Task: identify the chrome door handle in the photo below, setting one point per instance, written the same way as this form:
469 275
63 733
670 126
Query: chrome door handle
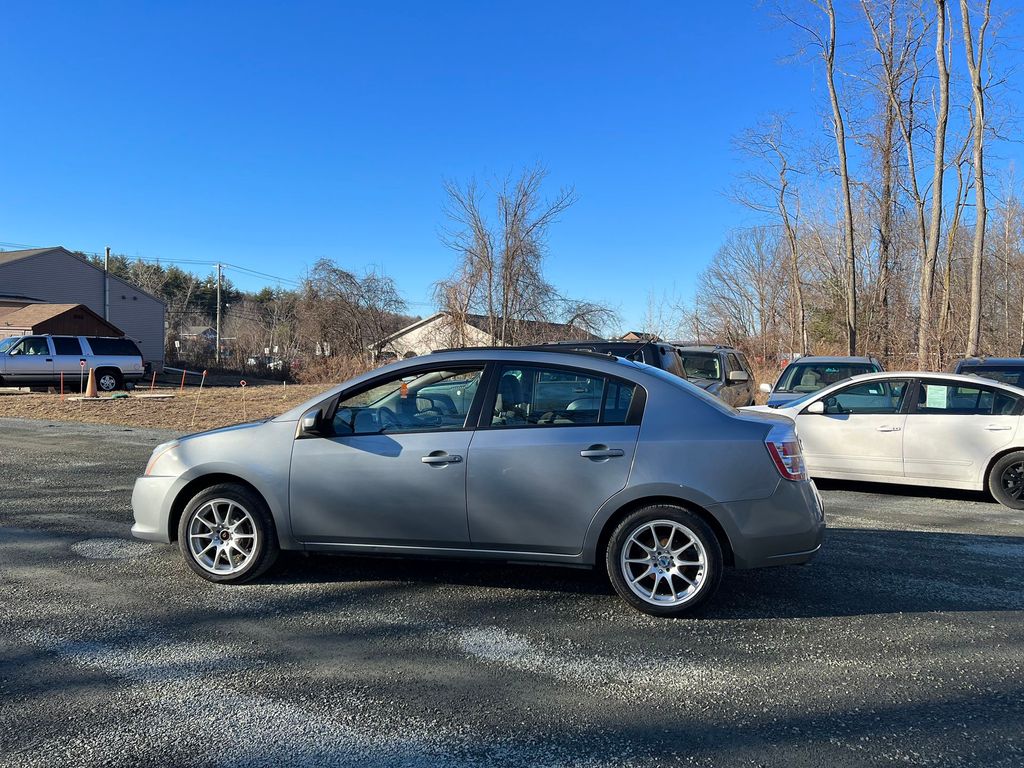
997 428
601 453
443 458
890 429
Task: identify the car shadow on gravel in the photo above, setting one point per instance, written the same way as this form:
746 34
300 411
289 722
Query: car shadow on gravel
320 568
910 491
859 572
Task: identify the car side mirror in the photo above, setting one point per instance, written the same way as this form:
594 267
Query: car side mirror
817 406
311 424
766 389
739 376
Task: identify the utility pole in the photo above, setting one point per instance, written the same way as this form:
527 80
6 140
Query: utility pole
218 313
106 285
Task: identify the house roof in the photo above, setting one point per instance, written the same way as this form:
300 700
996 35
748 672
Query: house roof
35 314
8 257
482 323
411 327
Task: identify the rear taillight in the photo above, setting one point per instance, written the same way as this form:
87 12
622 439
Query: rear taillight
784 448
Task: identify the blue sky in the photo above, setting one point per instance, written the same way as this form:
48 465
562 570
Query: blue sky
272 134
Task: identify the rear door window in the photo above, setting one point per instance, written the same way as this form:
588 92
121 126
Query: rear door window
66 345
530 396
955 399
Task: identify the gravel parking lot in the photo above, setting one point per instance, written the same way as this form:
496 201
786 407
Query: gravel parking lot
902 643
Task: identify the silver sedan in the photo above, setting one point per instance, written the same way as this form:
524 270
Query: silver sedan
579 459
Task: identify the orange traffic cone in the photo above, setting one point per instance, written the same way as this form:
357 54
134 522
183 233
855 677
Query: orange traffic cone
90 388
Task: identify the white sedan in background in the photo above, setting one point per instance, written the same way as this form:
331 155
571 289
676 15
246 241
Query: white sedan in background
932 429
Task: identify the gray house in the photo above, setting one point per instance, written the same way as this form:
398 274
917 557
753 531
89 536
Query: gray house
57 276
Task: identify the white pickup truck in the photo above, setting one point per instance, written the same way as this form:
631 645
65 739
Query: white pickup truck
32 361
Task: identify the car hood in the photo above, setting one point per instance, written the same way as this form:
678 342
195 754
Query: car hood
776 399
232 428
697 381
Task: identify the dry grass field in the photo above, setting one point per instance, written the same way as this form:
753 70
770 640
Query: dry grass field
218 406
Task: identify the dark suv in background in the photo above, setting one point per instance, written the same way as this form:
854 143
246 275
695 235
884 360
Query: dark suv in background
655 353
1009 370
721 371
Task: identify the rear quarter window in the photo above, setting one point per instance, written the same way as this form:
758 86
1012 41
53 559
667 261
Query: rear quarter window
114 347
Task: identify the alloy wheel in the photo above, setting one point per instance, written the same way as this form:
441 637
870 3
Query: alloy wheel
222 536
1013 480
664 563
107 382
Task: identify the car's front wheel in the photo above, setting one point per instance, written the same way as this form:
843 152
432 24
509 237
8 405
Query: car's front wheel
226 534
1006 480
664 560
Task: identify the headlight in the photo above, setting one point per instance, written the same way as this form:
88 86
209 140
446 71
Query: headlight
158 453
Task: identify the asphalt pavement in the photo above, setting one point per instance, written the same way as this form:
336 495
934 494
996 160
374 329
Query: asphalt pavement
902 643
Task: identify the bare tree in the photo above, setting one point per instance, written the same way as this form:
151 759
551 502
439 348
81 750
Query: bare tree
739 298
938 172
826 44
828 51
767 145
350 314
975 53
499 274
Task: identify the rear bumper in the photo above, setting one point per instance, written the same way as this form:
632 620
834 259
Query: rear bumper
787 528
151 505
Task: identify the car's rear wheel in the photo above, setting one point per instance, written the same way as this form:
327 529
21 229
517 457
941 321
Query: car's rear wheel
226 534
108 380
1006 480
664 560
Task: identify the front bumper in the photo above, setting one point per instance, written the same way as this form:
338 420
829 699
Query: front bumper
151 504
787 528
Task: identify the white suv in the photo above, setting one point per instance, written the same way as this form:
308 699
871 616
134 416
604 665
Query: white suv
27 361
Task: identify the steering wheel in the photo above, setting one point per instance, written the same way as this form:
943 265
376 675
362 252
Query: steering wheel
387 419
832 405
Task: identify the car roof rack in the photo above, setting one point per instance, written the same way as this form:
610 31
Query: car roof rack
553 347
705 346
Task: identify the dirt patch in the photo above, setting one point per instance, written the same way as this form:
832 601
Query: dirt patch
218 407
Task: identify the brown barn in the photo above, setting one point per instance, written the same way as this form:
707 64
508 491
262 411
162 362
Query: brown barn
54 319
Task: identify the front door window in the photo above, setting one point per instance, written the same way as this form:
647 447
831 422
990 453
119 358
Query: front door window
431 401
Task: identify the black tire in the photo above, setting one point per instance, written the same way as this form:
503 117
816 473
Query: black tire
706 577
109 380
1006 480
259 557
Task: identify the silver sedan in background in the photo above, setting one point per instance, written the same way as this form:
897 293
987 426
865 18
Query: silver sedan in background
579 459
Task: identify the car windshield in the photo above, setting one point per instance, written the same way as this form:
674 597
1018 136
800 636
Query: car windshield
701 365
6 344
1008 374
805 378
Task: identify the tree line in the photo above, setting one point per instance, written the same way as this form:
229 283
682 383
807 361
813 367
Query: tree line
335 321
892 236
